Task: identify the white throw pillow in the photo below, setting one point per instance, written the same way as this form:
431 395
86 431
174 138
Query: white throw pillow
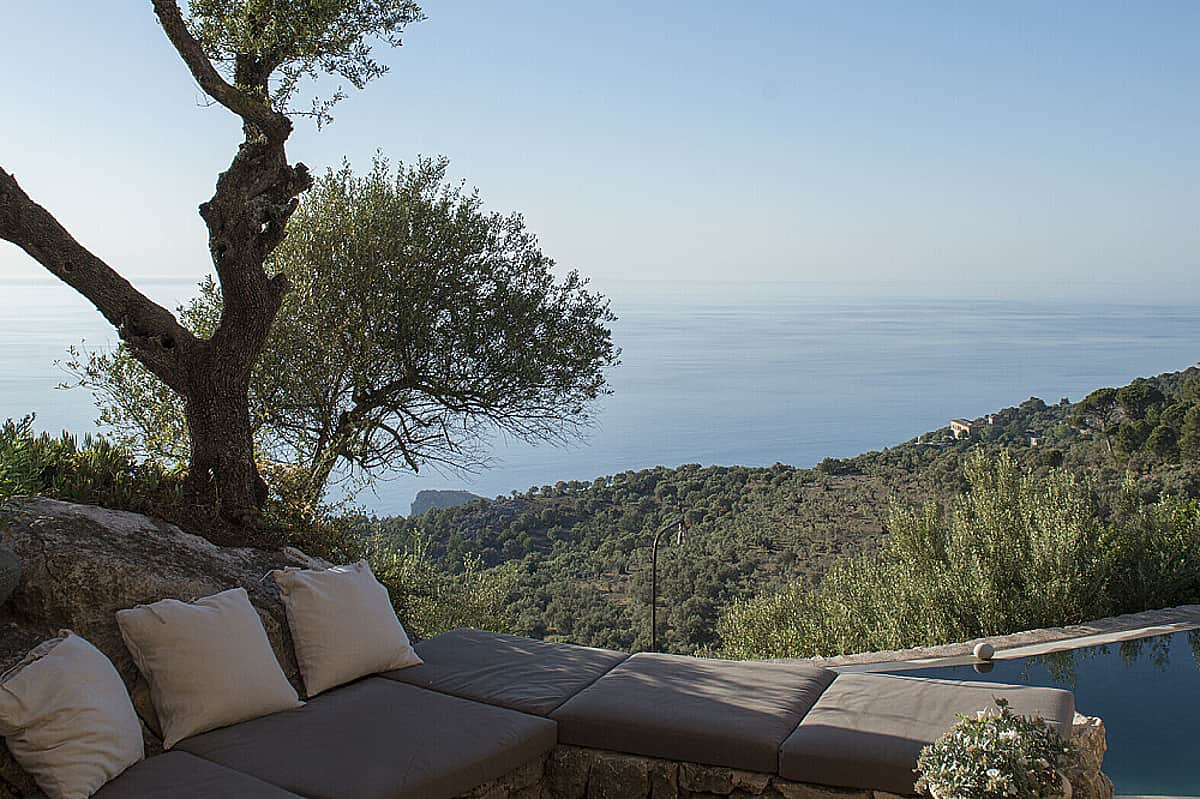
208 662
67 718
343 625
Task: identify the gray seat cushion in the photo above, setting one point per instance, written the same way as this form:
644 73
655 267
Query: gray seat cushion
379 739
715 712
517 673
868 729
178 775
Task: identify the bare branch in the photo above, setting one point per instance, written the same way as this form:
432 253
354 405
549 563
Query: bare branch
150 330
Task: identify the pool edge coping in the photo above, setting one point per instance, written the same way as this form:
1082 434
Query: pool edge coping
1042 641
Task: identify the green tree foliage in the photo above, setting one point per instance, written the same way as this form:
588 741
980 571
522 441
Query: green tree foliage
418 324
1015 552
90 470
1149 419
431 600
763 542
1099 412
294 41
583 545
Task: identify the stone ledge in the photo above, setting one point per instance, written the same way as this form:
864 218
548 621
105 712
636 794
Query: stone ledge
1181 617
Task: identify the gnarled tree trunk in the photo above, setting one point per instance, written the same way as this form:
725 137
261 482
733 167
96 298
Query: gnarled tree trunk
222 473
246 218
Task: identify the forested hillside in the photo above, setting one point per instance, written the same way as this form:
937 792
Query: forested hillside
583 548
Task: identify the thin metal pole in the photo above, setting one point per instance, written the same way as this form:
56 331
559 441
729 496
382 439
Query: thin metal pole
654 593
654 577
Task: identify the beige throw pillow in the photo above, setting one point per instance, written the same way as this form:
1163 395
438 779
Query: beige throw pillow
343 625
67 718
209 663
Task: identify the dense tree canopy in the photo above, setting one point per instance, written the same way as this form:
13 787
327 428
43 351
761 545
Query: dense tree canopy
418 323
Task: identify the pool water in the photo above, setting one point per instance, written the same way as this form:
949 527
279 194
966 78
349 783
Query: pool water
1147 690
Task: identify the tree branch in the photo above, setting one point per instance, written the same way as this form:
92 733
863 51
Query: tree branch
401 443
151 331
253 110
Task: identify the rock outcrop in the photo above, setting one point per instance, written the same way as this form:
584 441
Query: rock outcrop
81 564
10 573
428 499
1090 742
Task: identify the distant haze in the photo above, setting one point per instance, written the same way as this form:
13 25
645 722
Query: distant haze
717 373
1050 143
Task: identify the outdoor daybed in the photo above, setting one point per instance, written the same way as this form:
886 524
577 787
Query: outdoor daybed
484 705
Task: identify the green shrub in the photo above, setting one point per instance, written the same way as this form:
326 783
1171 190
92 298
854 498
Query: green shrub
430 600
1015 552
91 470
1155 553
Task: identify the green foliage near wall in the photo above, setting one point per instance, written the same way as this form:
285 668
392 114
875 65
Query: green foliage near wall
432 601
94 471
1149 418
1015 552
88 469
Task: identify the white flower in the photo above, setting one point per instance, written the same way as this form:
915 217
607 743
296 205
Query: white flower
993 773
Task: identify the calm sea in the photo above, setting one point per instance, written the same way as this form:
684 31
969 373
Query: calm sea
728 373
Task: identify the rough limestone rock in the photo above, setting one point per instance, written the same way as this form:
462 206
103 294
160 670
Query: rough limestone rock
1091 742
82 563
572 772
721 781
15 642
567 772
526 782
10 572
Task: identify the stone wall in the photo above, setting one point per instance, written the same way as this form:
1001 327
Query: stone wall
571 772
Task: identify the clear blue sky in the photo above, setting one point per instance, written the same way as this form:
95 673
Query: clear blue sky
888 141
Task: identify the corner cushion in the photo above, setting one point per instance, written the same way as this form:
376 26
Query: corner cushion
867 730
517 673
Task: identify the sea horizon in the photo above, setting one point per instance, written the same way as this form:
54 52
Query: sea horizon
725 373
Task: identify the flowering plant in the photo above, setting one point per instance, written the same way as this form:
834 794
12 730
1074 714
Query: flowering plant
994 755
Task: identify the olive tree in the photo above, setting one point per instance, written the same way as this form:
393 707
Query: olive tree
250 57
418 325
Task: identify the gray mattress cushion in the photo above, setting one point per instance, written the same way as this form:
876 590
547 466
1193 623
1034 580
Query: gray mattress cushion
178 775
379 739
715 712
517 673
868 729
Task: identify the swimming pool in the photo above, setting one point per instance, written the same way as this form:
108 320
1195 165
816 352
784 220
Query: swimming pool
1147 690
